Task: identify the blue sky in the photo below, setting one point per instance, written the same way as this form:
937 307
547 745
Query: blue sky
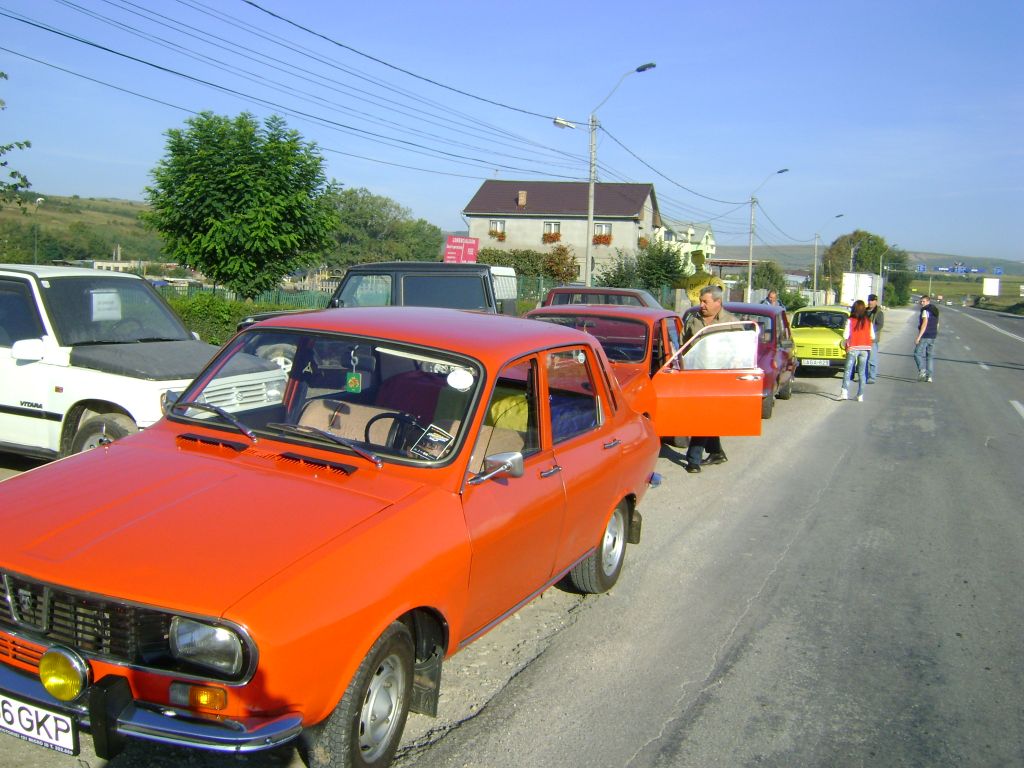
905 116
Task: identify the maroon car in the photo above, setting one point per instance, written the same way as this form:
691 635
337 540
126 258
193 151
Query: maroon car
774 350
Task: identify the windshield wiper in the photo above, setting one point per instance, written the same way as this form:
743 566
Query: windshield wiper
306 430
230 418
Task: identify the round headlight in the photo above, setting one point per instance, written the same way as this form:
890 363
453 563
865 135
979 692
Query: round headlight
63 673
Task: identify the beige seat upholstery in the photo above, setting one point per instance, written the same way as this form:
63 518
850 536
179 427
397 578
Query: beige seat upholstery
492 440
347 420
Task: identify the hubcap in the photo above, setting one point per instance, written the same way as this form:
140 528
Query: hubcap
382 706
613 544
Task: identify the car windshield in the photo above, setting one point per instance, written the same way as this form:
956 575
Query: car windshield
624 341
835 320
108 310
366 396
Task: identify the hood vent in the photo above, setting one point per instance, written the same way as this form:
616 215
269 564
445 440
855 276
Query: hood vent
193 440
297 460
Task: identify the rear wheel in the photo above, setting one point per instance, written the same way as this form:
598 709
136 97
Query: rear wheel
600 571
101 429
366 727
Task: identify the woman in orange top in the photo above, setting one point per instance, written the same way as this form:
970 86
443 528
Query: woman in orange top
858 336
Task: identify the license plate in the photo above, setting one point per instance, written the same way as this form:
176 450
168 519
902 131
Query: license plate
39 726
814 362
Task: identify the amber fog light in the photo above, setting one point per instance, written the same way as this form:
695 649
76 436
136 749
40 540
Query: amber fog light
198 696
63 673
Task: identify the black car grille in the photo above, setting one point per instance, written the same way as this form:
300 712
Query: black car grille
99 627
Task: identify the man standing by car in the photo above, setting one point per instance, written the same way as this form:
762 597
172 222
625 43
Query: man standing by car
924 345
709 312
877 318
773 299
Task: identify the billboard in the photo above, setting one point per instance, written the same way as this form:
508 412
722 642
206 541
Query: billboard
460 249
990 286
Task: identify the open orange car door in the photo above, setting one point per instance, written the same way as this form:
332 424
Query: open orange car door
712 385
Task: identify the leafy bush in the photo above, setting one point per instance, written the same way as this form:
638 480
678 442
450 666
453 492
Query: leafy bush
213 317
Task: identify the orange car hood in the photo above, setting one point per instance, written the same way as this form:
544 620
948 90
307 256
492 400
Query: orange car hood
178 527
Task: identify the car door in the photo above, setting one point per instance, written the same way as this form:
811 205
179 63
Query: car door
514 523
24 420
712 386
586 446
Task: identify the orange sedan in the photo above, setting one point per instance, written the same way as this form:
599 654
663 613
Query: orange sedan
712 386
340 501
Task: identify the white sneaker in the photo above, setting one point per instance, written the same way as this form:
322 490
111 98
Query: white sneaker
844 395
929 379
860 398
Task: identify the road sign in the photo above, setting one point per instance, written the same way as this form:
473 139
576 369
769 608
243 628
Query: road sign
921 268
459 249
997 271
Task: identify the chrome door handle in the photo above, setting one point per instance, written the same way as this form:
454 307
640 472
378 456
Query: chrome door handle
613 443
749 377
553 471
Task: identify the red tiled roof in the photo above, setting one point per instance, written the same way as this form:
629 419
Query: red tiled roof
560 198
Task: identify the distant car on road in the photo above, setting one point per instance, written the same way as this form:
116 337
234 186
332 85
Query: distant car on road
817 332
85 357
712 386
775 350
296 563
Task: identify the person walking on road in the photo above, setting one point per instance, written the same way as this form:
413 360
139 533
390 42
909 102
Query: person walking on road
773 299
877 318
924 345
858 337
709 312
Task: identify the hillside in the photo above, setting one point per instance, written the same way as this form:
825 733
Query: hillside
800 257
75 228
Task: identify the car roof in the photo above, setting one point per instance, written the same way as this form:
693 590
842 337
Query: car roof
595 290
753 309
44 271
419 266
490 338
825 308
647 314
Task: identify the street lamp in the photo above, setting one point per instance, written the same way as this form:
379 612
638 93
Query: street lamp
562 123
35 230
750 252
817 238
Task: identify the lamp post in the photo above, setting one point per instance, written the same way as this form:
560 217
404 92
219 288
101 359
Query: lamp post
881 277
750 252
35 230
817 238
561 123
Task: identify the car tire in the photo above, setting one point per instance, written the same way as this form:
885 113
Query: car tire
599 572
767 405
100 429
366 727
786 390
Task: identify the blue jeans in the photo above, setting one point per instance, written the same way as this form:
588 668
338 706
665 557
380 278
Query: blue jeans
695 451
858 358
924 356
873 362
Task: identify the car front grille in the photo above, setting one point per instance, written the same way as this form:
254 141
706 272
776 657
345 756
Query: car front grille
96 626
833 352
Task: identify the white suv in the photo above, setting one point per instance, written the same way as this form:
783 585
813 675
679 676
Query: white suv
85 356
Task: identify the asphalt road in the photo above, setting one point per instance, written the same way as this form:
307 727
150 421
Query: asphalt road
845 591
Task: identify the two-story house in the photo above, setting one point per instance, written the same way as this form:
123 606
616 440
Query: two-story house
535 215
689 237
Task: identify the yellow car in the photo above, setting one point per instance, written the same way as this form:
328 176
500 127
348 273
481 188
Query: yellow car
817 333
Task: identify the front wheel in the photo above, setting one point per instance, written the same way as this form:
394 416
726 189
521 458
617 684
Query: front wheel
767 405
786 390
599 572
366 727
102 429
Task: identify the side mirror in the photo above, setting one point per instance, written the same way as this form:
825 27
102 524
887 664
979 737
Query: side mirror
337 303
27 350
509 464
168 399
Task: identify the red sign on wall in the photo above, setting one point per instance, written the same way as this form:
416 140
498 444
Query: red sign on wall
459 249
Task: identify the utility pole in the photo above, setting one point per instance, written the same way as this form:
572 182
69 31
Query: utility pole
590 199
814 288
750 251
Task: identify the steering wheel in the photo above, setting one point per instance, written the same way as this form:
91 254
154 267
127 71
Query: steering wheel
126 327
397 433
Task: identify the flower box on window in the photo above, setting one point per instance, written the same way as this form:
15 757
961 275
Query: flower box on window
602 239
551 237
643 242
497 234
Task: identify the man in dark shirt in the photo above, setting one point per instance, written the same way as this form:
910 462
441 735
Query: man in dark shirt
924 345
877 318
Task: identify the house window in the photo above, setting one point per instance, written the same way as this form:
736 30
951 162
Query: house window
497 225
602 229
552 227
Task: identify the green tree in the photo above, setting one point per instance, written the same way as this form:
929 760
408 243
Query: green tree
867 252
244 204
768 274
376 228
15 181
651 267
